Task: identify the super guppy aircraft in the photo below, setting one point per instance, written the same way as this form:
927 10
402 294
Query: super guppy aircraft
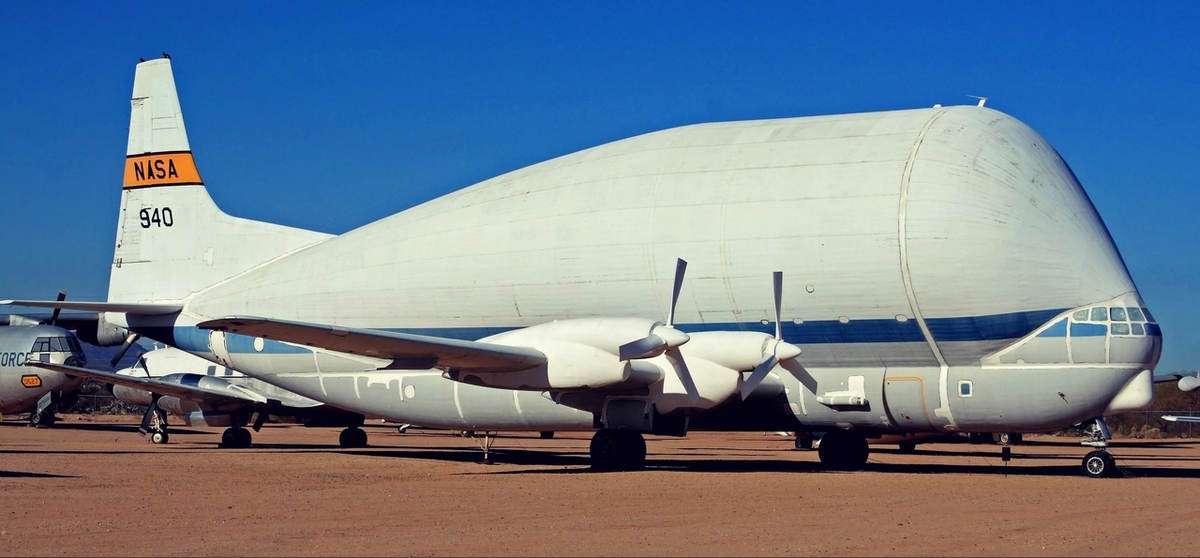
926 270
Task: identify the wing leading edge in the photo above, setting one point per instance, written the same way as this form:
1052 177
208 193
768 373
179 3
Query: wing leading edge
407 351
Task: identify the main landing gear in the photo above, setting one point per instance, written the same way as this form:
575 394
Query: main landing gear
843 450
235 437
353 437
154 422
1099 463
618 450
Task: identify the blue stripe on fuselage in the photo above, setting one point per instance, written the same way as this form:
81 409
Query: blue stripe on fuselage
972 328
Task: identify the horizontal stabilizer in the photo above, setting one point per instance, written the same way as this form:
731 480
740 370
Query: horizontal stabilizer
1175 418
193 393
405 350
138 308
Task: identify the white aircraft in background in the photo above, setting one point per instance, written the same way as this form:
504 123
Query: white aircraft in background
947 273
27 388
168 380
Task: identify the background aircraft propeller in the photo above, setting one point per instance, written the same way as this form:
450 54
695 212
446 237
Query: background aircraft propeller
62 295
664 338
129 341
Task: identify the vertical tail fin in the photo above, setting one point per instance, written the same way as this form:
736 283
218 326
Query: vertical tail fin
172 240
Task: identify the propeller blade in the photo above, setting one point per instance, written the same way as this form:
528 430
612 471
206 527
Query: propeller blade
145 366
685 376
778 304
129 341
646 346
62 295
759 374
680 269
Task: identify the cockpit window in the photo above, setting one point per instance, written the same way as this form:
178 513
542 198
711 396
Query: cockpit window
1099 314
1135 315
59 344
1138 329
1120 328
1080 315
42 345
1117 314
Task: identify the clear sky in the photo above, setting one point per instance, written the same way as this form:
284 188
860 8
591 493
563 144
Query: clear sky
330 115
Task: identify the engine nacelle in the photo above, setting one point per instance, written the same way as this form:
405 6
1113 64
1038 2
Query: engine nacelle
580 354
105 334
202 418
132 396
714 383
568 366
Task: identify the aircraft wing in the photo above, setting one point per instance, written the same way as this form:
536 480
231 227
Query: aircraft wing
406 350
1176 418
231 393
141 308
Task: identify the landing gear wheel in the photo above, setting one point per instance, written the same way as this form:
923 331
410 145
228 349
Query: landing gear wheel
1099 464
159 437
618 450
353 437
235 437
804 443
843 450
43 419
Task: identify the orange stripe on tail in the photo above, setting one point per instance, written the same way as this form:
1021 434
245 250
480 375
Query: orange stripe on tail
161 169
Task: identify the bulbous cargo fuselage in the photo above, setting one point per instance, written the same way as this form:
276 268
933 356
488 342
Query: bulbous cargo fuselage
930 258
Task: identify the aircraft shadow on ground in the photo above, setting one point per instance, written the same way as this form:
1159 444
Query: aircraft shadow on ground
578 462
28 475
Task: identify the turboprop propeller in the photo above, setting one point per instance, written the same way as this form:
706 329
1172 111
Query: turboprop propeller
775 350
665 339
129 341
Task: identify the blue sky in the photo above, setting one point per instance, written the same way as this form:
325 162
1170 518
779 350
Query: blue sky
330 115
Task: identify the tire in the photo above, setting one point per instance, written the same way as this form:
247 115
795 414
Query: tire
242 437
843 450
229 438
1004 438
353 438
605 451
1099 464
159 437
44 419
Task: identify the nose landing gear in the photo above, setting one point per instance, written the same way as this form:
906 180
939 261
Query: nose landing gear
1099 463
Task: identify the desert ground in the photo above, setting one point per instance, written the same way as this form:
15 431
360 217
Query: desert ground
92 486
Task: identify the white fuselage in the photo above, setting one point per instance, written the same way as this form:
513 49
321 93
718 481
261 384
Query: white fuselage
919 246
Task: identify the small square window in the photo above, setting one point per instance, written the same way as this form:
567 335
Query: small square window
1099 314
1120 328
1117 314
1138 329
1135 314
1080 315
964 388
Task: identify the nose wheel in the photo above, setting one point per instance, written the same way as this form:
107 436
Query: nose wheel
1099 464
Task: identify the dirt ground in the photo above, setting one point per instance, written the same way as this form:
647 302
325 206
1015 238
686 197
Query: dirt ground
91 486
